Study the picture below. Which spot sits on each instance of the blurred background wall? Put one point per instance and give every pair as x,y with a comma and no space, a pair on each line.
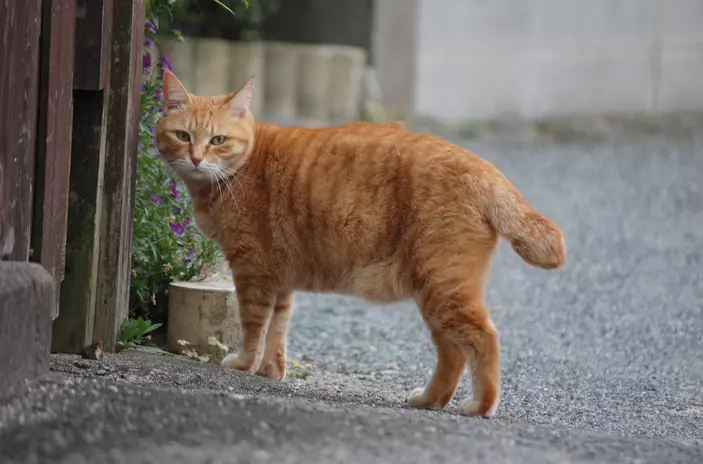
323,61
537,58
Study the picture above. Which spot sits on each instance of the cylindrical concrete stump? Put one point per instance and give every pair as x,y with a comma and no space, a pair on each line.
281,82
247,59
180,54
346,82
213,65
197,310
315,83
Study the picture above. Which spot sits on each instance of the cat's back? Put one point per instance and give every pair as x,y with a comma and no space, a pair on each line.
363,179
348,204
367,149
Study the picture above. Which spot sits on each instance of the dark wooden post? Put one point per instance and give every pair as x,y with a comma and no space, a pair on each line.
120,165
20,24
53,154
73,329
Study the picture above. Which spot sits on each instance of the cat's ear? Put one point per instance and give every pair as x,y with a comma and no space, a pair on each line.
241,99
175,94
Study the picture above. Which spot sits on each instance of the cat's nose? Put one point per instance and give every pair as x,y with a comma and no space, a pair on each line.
196,161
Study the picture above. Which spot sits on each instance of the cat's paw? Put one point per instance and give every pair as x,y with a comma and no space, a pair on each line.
272,371
416,399
234,361
471,407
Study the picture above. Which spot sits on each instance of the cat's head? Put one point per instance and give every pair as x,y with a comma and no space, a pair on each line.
205,139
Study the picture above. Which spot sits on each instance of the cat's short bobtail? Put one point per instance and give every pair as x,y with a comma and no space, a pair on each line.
361,209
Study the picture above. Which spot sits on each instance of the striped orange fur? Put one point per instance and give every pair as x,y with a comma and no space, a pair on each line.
362,209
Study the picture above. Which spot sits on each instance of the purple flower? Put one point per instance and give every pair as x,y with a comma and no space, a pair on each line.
176,228
146,62
156,199
151,27
166,63
148,42
174,190
190,255
176,211
186,223
143,88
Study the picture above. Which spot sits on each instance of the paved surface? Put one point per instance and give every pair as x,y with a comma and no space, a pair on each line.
602,361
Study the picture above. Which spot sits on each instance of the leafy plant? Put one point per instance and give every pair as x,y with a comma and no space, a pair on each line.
297,370
216,351
203,18
166,245
134,332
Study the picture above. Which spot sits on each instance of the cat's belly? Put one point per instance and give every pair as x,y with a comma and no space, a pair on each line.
381,282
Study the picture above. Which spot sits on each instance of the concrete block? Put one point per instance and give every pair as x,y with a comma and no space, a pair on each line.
212,65
247,59
281,75
198,310
395,44
26,312
314,83
346,82
181,57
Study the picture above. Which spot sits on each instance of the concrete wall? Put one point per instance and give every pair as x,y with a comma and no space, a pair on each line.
393,52
538,58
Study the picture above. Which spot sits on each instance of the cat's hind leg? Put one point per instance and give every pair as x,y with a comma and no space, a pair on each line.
454,310
473,329
451,362
273,364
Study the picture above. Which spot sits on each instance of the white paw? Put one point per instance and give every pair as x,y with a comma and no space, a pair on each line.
416,399
232,361
271,371
471,407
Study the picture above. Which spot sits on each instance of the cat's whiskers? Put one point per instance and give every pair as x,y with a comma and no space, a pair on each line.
234,174
214,179
171,166
221,174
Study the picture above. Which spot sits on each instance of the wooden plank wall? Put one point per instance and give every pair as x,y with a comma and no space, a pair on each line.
95,290
20,23
54,126
115,260
73,329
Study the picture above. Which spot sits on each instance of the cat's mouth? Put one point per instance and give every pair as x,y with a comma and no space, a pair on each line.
193,173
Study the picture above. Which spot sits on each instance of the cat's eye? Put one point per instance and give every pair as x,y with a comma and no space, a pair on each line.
217,140
183,136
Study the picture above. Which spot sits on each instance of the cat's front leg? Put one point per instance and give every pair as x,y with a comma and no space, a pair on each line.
273,365
255,309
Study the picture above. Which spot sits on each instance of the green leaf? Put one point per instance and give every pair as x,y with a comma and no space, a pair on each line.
228,8
152,327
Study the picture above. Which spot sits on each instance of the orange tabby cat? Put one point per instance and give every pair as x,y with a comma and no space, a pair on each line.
360,209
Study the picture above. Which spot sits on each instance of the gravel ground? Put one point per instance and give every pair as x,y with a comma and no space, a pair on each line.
601,360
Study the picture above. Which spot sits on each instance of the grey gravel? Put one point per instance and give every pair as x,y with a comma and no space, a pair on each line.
602,361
